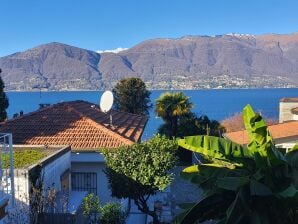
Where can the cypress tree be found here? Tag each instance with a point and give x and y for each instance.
(3, 100)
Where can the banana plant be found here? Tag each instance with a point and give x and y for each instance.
(253, 184)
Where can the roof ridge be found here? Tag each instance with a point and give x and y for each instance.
(66, 103)
(29, 114)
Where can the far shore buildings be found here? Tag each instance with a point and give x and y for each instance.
(86, 129)
(285, 133)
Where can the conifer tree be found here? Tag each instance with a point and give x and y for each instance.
(132, 96)
(3, 100)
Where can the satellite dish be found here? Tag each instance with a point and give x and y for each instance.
(106, 101)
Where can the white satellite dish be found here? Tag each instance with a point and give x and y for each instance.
(106, 101)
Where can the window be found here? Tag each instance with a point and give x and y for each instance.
(64, 179)
(84, 182)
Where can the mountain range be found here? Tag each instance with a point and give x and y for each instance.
(189, 62)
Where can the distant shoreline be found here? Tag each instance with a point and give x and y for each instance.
(84, 90)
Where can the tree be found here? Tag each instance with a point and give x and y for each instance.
(233, 123)
(191, 124)
(112, 213)
(140, 170)
(171, 107)
(253, 184)
(3, 100)
(132, 96)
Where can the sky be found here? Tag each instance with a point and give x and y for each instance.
(110, 24)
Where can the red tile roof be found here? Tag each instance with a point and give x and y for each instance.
(278, 131)
(292, 99)
(79, 124)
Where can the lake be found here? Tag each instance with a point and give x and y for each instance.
(216, 104)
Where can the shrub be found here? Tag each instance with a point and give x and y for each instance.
(112, 213)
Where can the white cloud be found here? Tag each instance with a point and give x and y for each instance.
(117, 50)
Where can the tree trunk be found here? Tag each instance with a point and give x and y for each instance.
(143, 207)
(154, 216)
(174, 126)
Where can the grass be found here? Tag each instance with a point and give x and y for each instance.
(23, 158)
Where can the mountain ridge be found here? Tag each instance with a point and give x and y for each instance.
(189, 62)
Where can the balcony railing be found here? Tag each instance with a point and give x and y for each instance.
(7, 195)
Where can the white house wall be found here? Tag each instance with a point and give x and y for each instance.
(93, 162)
(52, 173)
(102, 183)
(21, 183)
(54, 170)
(285, 113)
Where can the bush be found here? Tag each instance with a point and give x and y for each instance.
(91, 208)
(112, 213)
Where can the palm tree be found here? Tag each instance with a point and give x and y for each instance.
(172, 106)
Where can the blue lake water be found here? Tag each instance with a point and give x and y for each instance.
(216, 104)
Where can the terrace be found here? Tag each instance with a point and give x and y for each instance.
(42, 168)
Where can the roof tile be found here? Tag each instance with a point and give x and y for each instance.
(278, 131)
(79, 124)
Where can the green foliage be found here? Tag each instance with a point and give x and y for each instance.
(91, 207)
(140, 170)
(171, 107)
(144, 167)
(191, 124)
(253, 184)
(132, 96)
(3, 100)
(175, 110)
(23, 158)
(112, 213)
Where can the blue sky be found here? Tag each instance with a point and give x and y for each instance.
(101, 25)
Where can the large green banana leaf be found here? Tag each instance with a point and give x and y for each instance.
(212, 176)
(207, 208)
(260, 141)
(258, 183)
(214, 147)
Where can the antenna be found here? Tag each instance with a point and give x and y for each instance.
(106, 103)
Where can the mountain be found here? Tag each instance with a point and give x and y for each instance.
(190, 62)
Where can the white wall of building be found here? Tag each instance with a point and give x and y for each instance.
(92, 162)
(285, 113)
(54, 170)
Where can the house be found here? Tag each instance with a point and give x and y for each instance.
(86, 129)
(288, 109)
(35, 172)
(285, 133)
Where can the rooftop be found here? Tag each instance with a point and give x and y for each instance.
(291, 100)
(26, 156)
(278, 131)
(79, 124)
